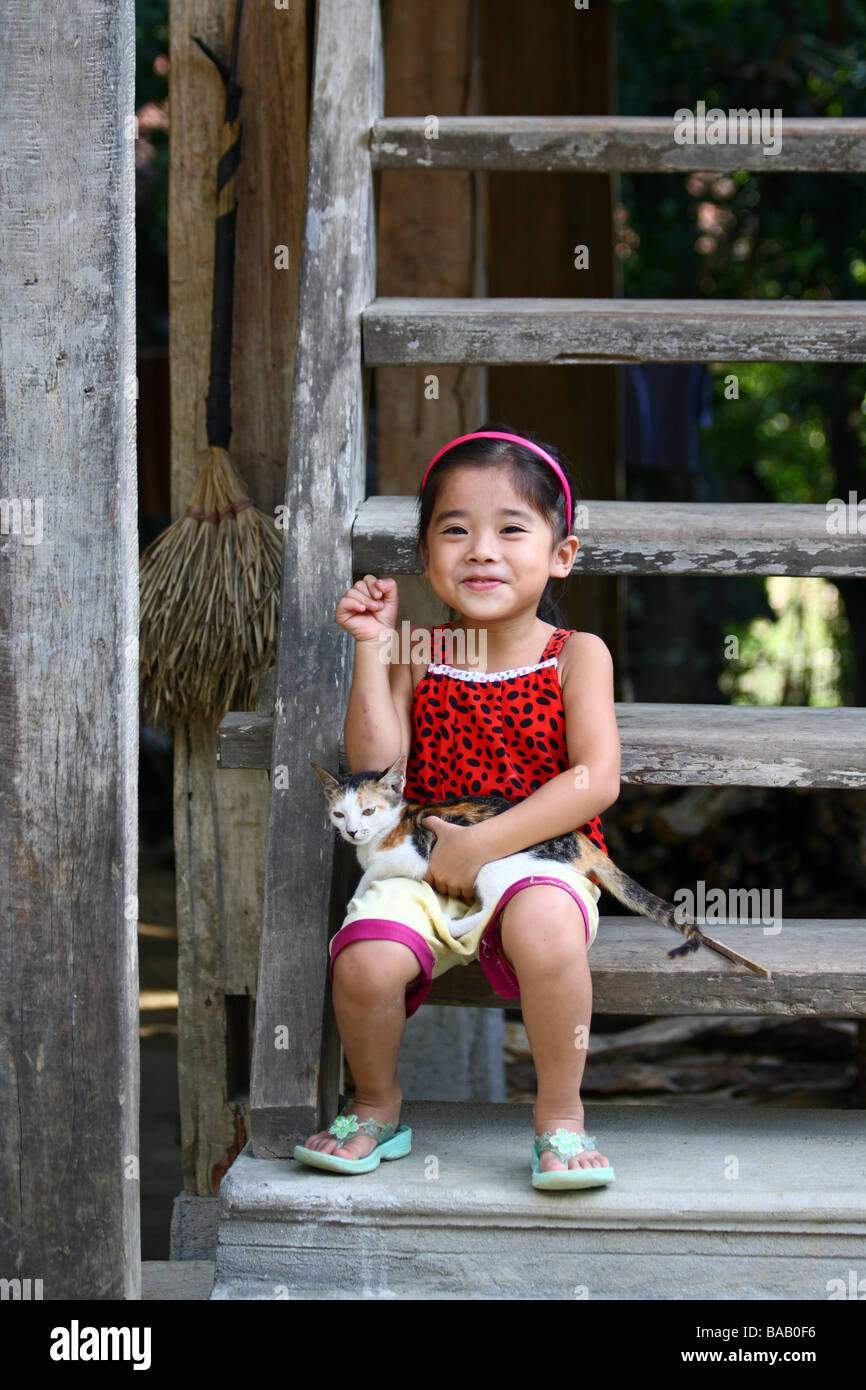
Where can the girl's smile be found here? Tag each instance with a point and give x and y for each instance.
(485, 539)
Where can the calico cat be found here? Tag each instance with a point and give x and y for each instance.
(370, 812)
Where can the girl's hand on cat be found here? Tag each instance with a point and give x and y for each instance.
(369, 608)
(455, 859)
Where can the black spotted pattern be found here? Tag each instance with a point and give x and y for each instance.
(474, 738)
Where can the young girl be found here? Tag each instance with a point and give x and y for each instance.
(533, 719)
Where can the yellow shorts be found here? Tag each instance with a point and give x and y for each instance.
(410, 911)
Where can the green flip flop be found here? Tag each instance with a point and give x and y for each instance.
(390, 1143)
(566, 1144)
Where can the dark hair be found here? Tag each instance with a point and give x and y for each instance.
(532, 479)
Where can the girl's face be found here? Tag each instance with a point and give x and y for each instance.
(481, 527)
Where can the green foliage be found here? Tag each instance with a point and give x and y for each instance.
(672, 53)
(796, 431)
(772, 439)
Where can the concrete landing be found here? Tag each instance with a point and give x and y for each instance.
(709, 1202)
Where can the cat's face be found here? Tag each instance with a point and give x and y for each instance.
(368, 810)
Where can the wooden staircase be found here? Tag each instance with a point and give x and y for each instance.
(335, 532)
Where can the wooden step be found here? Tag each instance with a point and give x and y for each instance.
(743, 745)
(411, 332)
(600, 144)
(818, 969)
(676, 745)
(652, 538)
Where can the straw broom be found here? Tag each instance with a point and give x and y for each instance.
(209, 584)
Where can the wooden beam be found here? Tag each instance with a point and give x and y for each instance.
(568, 331)
(724, 538)
(743, 745)
(69, 1077)
(681, 745)
(601, 144)
(818, 969)
(220, 823)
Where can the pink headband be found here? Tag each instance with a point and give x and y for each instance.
(518, 439)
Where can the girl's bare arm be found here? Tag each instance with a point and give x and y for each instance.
(376, 730)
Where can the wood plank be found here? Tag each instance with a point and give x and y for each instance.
(219, 822)
(69, 1068)
(650, 538)
(818, 967)
(599, 144)
(742, 745)
(679, 745)
(407, 332)
(296, 1060)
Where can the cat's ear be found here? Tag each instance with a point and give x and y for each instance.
(331, 785)
(394, 779)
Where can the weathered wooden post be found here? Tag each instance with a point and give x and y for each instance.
(296, 1058)
(220, 817)
(69, 1081)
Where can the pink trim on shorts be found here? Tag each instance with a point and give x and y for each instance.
(383, 929)
(493, 962)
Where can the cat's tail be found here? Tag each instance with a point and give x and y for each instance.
(590, 858)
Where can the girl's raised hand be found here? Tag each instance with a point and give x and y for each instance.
(369, 608)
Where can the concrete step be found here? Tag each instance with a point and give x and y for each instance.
(172, 1281)
(709, 1202)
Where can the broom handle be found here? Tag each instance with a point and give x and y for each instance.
(218, 413)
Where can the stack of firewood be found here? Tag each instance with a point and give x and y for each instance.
(730, 1059)
(811, 843)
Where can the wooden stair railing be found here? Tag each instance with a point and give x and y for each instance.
(335, 533)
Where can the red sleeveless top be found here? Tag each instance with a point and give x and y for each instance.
(477, 732)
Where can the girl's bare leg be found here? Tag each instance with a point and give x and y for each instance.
(370, 979)
(544, 939)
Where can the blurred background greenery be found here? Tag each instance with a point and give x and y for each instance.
(797, 431)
